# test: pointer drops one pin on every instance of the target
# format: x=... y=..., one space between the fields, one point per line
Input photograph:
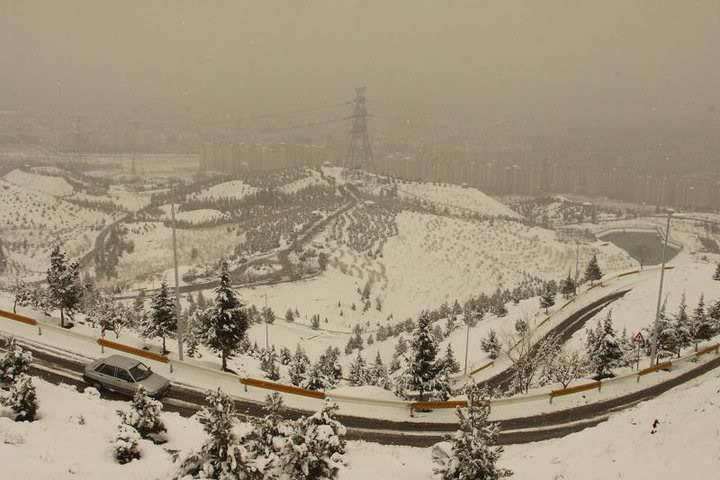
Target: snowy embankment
x=636 y=311
x=628 y=446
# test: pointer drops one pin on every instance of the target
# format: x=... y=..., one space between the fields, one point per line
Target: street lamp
x=653 y=355
x=177 y=279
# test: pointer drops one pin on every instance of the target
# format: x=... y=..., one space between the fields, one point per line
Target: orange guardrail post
x=436 y=405
x=654 y=368
x=281 y=387
x=576 y=389
x=132 y=350
x=707 y=350
x=18 y=318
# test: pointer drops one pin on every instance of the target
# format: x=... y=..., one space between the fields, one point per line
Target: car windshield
x=140 y=372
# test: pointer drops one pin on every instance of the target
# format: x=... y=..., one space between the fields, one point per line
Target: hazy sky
x=550 y=62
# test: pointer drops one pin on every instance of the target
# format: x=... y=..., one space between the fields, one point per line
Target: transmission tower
x=360 y=154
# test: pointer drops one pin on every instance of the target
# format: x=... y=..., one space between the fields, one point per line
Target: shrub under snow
x=125 y=446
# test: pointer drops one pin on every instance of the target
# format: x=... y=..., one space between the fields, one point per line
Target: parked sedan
x=125 y=375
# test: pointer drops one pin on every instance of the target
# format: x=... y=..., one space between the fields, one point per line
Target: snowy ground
x=622 y=448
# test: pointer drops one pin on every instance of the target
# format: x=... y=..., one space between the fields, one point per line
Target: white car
x=125 y=375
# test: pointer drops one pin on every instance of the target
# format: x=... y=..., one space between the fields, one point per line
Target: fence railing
x=411 y=405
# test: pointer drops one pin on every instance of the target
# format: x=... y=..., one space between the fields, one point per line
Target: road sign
x=639 y=339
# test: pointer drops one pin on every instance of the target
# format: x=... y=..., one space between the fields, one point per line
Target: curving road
x=564 y=331
x=186 y=400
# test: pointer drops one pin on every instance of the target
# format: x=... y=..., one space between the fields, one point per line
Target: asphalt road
x=185 y=400
x=564 y=331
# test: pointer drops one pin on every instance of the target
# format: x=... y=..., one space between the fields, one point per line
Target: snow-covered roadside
x=623 y=447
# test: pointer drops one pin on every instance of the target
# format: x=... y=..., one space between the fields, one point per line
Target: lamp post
x=653 y=355
x=177 y=279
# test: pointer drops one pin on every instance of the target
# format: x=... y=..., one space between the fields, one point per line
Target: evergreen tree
x=714 y=318
x=22 y=399
x=316 y=379
x=268 y=315
x=317 y=447
x=592 y=271
x=449 y=363
x=472 y=456
x=225 y=324
x=161 y=322
x=270 y=432
x=64 y=291
x=682 y=327
x=221 y=456
x=547 y=299
x=299 y=366
x=268 y=364
x=422 y=367
x=14 y=362
x=567 y=288
x=330 y=364
x=491 y=344
x=285 y=356
x=125 y=446
x=716 y=275
x=358 y=374
x=289 y=315
x=700 y=326
x=604 y=349
x=144 y=415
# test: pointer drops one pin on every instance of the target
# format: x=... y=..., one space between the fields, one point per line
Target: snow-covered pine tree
x=299 y=366
x=491 y=344
x=125 y=447
x=144 y=416
x=317 y=449
x=268 y=363
x=567 y=288
x=448 y=361
x=713 y=315
x=716 y=275
x=161 y=321
x=221 y=456
x=472 y=456
x=315 y=379
x=700 y=325
x=64 y=290
x=225 y=323
x=285 y=357
x=22 y=398
x=547 y=299
x=604 y=350
x=14 y=362
x=422 y=366
x=358 y=371
x=681 y=326
x=330 y=364
x=592 y=271
x=270 y=433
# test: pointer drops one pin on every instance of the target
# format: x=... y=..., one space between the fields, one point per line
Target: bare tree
x=529 y=354
x=564 y=367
